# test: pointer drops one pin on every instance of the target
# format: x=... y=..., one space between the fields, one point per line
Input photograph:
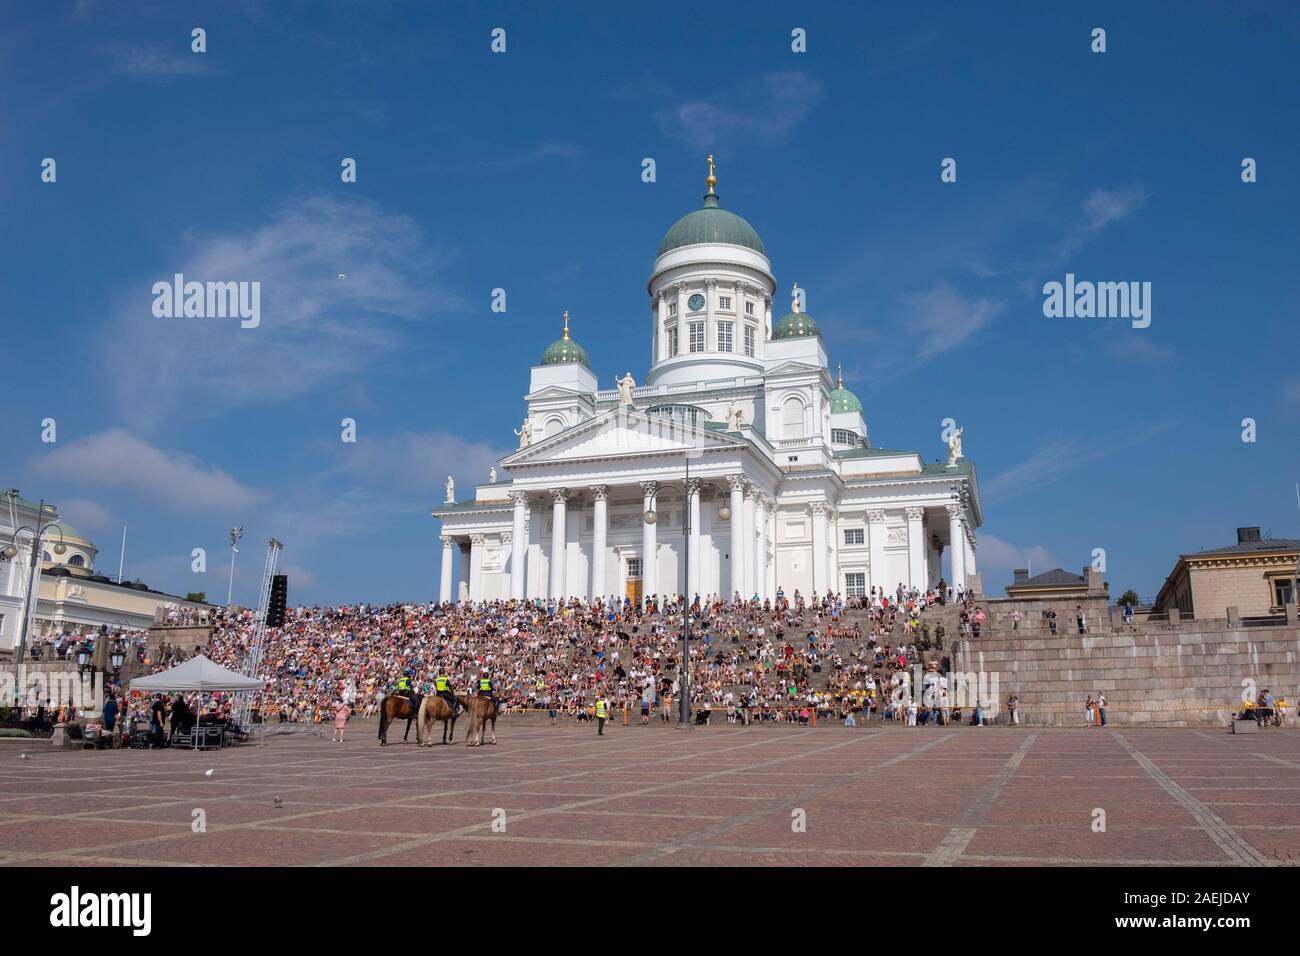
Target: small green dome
x=842 y=400
x=795 y=325
x=565 y=351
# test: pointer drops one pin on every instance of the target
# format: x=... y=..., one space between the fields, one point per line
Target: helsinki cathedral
x=738 y=466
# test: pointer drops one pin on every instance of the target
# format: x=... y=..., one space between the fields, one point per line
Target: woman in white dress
x=1091 y=712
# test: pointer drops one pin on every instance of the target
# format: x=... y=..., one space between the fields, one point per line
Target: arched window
x=792 y=418
x=45 y=556
x=553 y=426
x=77 y=561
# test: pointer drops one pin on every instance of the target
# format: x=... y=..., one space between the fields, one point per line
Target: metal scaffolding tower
x=255 y=650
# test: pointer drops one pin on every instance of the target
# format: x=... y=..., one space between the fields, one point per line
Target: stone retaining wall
x=1190 y=674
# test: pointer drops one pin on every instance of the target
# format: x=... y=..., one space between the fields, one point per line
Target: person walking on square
x=1012 y=703
x=602 y=712
x=341 y=714
x=1101 y=709
x=1090 y=713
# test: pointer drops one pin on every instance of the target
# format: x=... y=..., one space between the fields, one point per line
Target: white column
x=649 y=545
x=518 y=545
x=833 y=546
x=819 y=546
x=956 y=546
x=476 y=567
x=448 y=558
x=683 y=329
x=693 y=542
x=710 y=326
x=760 y=551
x=970 y=553
x=737 y=582
x=771 y=567
x=916 y=548
x=462 y=573
x=656 y=333
x=560 y=496
x=751 y=562
x=598 y=586
x=876 y=550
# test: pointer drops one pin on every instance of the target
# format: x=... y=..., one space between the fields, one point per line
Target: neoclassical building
x=739 y=425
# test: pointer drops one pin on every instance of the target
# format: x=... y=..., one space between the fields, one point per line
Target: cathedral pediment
x=622 y=434
x=793 y=368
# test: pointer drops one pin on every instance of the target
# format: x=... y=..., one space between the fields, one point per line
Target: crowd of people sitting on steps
x=749 y=660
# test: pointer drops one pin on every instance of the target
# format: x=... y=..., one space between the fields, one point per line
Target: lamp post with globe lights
x=235 y=535
x=650 y=517
x=9 y=552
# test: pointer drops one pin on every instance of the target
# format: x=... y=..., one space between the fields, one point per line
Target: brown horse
x=396 y=707
x=481 y=712
x=436 y=708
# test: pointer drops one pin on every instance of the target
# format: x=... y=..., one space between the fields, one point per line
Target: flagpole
x=121 y=558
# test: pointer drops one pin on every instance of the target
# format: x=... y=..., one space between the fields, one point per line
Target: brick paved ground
x=722 y=795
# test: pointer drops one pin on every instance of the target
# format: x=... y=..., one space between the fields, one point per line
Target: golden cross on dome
x=840 y=369
x=566 y=323
x=712 y=180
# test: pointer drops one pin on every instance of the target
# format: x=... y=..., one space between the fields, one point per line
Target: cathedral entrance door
x=634 y=590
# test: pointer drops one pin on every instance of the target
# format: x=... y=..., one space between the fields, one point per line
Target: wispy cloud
x=421 y=462
x=933 y=322
x=118 y=459
x=85 y=515
x=159 y=62
x=766 y=108
x=1062 y=456
x=315 y=328
x=1098 y=210
x=997 y=559
x=488 y=159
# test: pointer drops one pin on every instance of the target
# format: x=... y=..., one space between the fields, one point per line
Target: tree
x=1131 y=597
x=199 y=597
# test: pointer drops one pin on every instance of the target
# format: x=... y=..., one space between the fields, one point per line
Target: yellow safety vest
x=600 y=708
x=441 y=684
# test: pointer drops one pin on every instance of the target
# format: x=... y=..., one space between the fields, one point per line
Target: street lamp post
x=235 y=535
x=8 y=553
x=650 y=517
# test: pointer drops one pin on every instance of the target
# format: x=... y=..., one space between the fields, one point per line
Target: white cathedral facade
x=739 y=434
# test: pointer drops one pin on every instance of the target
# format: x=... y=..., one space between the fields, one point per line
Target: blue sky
x=522 y=171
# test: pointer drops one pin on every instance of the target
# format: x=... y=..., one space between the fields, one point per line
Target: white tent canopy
x=196 y=674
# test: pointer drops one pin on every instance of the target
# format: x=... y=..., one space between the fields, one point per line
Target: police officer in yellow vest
x=404 y=688
x=442 y=685
x=485 y=688
x=602 y=712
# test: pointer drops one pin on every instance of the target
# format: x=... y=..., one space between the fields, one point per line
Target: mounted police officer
x=403 y=688
x=442 y=686
x=485 y=688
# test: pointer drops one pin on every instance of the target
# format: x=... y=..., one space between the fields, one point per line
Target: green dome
x=565 y=351
x=795 y=325
x=842 y=400
x=711 y=224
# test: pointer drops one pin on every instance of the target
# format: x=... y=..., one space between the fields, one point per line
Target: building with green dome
x=738 y=425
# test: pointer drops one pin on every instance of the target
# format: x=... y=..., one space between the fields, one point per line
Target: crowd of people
x=748 y=660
